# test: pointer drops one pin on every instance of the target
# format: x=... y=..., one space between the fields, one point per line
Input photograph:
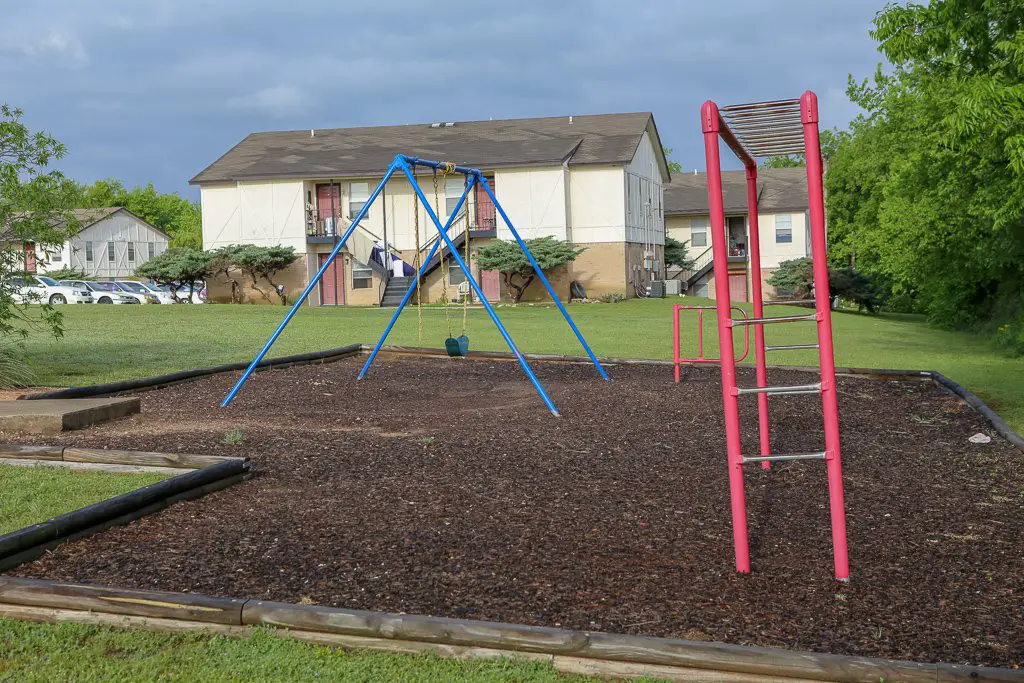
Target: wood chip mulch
x=444 y=487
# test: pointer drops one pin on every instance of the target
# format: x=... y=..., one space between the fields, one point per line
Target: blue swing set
x=474 y=177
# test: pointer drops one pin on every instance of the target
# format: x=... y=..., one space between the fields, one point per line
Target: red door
x=30 y=257
x=328 y=204
x=485 y=208
x=332 y=284
x=738 y=287
x=490 y=282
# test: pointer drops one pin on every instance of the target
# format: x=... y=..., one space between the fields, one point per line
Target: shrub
x=612 y=297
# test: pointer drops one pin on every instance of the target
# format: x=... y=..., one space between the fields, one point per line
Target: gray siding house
x=111 y=243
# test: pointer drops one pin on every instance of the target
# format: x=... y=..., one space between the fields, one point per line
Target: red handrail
x=677 y=358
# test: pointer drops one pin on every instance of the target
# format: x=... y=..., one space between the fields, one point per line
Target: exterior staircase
x=702 y=265
x=395 y=290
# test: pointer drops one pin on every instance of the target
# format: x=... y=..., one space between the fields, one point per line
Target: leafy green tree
x=178 y=217
x=674 y=167
x=225 y=264
x=677 y=253
x=795 y=276
x=178 y=267
x=264 y=263
x=927 y=190
x=509 y=260
x=35 y=206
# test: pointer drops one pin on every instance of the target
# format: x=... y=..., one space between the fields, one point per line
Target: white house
x=110 y=243
x=782 y=226
x=596 y=181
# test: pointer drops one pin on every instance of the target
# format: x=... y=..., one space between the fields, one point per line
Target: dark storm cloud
x=157 y=90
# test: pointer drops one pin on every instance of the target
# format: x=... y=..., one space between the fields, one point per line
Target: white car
x=46 y=290
x=149 y=293
x=103 y=292
x=198 y=293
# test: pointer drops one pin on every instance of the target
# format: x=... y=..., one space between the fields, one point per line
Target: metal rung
x=787 y=302
x=788 y=347
x=776 y=319
x=795 y=456
x=796 y=389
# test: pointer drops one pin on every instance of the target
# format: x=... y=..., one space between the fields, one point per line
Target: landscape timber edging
x=207 y=474
x=186 y=375
x=997 y=422
x=592 y=653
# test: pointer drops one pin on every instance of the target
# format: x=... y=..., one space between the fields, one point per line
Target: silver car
x=103 y=292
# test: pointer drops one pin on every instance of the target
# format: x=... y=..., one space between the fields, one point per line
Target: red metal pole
x=826 y=358
x=675 y=339
x=755 y=277
x=710 y=127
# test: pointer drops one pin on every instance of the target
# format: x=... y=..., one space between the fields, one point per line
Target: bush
x=857 y=288
x=612 y=297
x=1010 y=337
x=69 y=273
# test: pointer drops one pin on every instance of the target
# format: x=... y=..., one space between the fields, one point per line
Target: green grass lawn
x=29 y=495
x=105 y=343
x=73 y=652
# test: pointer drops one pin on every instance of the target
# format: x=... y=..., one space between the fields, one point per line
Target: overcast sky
x=155 y=90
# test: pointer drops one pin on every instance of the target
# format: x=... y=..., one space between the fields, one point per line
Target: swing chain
x=445 y=267
x=418 y=257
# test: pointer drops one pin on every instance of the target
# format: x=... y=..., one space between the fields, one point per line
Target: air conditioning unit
x=673 y=287
x=656 y=289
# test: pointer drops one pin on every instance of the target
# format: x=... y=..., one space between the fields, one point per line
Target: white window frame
x=455 y=272
x=453 y=188
x=111 y=252
x=361 y=273
x=697 y=229
x=358 y=195
x=784 y=231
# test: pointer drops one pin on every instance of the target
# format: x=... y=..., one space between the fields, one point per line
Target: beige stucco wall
x=259 y=212
x=597 y=204
x=534 y=199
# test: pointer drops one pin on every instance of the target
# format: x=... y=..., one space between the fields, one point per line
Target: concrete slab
x=51 y=416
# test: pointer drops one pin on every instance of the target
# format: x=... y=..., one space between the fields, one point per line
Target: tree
x=178 y=267
x=224 y=264
x=674 y=167
x=510 y=260
x=677 y=253
x=175 y=215
x=263 y=263
x=927 y=189
x=69 y=273
x=795 y=276
x=35 y=206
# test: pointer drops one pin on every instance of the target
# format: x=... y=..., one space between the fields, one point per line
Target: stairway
x=395 y=290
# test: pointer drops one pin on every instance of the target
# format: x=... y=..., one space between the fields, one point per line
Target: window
x=784 y=229
x=362 y=276
x=150 y=250
x=131 y=252
x=110 y=251
x=698 y=232
x=88 y=252
x=455 y=275
x=56 y=257
x=358 y=193
x=453 y=188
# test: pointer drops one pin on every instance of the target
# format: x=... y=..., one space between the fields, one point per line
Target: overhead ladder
x=766 y=129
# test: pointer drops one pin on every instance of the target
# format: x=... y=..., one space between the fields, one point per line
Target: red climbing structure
x=766 y=129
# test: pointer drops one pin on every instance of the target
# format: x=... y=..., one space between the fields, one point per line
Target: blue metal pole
x=544 y=280
x=312 y=283
x=479 y=292
x=412 y=287
x=441 y=165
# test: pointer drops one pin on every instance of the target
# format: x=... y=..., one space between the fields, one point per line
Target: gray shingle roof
x=353 y=152
x=779 y=189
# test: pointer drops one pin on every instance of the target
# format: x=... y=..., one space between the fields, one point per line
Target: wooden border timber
x=601 y=654
x=203 y=474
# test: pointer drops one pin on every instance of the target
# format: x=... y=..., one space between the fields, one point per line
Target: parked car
x=103 y=292
x=143 y=297
x=198 y=293
x=41 y=290
x=146 y=290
